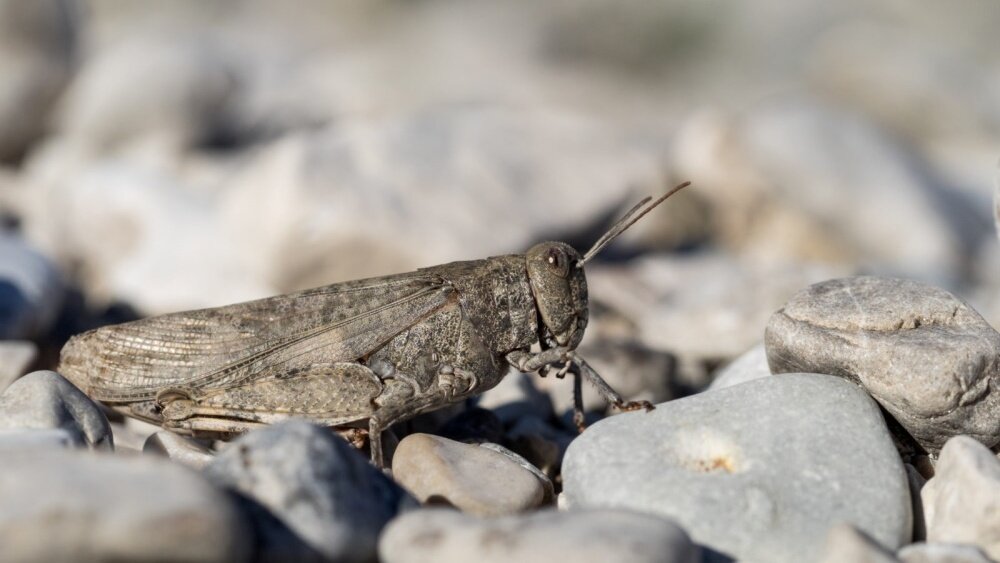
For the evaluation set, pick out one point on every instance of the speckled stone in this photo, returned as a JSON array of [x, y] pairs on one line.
[[758, 471]]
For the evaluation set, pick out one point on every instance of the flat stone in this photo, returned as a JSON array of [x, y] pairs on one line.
[[79, 506], [749, 366], [844, 543], [476, 480], [309, 492], [758, 471], [178, 448], [583, 536], [46, 400], [15, 358], [927, 357], [962, 500], [942, 553]]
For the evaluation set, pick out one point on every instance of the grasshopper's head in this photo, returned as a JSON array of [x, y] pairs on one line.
[[560, 289], [559, 286]]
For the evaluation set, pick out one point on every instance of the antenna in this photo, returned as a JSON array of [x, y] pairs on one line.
[[626, 222]]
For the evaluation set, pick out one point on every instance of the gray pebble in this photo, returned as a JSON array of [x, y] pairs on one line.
[[476, 480], [45, 399], [962, 500], [757, 471], [922, 353], [313, 492], [83, 507], [585, 536]]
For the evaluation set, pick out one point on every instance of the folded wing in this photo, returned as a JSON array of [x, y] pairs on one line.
[[211, 349]]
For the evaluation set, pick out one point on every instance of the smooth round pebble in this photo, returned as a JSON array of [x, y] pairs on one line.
[[87, 507], [46, 400], [310, 492], [962, 500], [584, 536], [473, 479], [758, 471], [922, 353]]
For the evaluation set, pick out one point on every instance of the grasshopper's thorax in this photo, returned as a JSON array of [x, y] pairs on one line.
[[560, 290]]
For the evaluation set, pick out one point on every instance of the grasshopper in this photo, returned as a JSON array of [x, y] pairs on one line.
[[356, 356]]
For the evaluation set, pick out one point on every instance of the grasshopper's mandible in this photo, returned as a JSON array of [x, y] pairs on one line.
[[356, 356]]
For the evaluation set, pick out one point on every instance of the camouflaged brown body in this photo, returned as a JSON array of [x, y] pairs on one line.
[[308, 353]]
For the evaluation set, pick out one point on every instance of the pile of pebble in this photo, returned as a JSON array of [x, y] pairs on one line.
[[860, 431]]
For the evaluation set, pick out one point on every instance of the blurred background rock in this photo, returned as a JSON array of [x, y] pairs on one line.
[[159, 156]]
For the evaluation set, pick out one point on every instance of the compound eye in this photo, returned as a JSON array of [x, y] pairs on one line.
[[558, 262]]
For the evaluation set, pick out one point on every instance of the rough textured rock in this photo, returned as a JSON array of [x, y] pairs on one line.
[[37, 44], [476, 480], [62, 506], [178, 448], [585, 536], [309, 486], [846, 544], [45, 399], [751, 365], [922, 353], [942, 553], [15, 358], [30, 290], [758, 471], [962, 500]]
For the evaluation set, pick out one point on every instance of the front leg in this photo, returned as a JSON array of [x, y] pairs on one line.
[[528, 362]]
